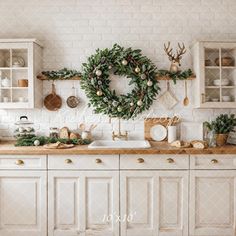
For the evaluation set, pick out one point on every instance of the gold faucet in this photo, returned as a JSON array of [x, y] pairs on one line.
[[119, 135]]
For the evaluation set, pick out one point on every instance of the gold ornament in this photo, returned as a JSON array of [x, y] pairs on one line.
[[137, 69], [139, 103], [119, 109], [124, 62], [99, 93], [98, 72], [131, 104], [149, 83]]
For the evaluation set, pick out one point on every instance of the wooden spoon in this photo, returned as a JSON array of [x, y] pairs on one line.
[[52, 101], [186, 100]]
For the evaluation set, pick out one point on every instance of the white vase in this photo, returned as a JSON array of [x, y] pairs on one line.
[[6, 82]]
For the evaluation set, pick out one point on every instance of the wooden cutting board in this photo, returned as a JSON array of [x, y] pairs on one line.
[[150, 122]]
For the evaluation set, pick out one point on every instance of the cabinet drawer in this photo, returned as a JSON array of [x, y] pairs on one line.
[[213, 161], [23, 162], [154, 162], [83, 162]]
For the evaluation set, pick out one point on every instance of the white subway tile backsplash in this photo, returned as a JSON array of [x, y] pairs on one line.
[[72, 30]]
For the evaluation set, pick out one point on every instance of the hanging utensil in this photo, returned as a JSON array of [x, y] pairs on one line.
[[186, 99], [72, 101], [53, 102]]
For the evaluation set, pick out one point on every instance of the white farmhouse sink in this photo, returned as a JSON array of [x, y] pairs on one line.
[[107, 144]]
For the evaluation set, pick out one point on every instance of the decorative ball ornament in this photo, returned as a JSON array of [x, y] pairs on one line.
[[36, 143], [119, 108], [106, 101], [149, 83], [137, 69], [98, 72], [139, 103], [99, 93], [124, 62], [21, 130], [143, 76]]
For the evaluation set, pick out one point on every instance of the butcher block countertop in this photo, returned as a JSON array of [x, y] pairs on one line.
[[7, 148]]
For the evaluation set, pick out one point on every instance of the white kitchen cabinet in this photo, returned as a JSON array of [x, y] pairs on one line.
[[83, 203], [20, 59], [212, 203], [154, 203], [215, 68], [23, 203]]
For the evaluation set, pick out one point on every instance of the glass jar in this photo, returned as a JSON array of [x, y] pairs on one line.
[[212, 139], [24, 128], [53, 132]]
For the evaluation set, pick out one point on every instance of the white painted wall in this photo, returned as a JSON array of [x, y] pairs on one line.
[[72, 29]]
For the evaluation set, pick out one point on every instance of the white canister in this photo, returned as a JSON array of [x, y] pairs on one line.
[[172, 133], [5, 99]]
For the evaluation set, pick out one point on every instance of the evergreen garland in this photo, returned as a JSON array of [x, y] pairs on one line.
[[29, 141], [62, 74], [123, 62], [180, 75]]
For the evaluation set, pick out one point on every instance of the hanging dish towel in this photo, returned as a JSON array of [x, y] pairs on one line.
[[168, 99]]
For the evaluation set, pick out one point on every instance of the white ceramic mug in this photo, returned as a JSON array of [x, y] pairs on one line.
[[21, 99], [172, 133]]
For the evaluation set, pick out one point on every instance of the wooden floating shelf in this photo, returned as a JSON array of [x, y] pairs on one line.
[[168, 78], [43, 77]]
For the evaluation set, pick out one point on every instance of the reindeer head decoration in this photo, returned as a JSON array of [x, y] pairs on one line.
[[175, 59]]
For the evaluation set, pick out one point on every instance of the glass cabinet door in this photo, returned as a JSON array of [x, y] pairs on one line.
[[219, 74], [14, 77]]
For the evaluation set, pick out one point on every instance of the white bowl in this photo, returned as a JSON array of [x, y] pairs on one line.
[[224, 82], [215, 99], [226, 98]]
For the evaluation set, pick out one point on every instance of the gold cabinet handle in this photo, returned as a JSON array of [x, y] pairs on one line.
[[214, 161], [98, 161], [19, 162], [140, 160], [170, 160], [68, 161]]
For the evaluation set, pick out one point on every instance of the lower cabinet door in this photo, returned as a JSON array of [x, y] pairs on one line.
[[84, 203], [212, 203], [154, 203], [23, 203]]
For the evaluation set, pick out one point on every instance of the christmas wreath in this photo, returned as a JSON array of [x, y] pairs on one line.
[[123, 62]]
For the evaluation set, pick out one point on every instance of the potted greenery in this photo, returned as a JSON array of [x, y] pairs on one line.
[[222, 125]]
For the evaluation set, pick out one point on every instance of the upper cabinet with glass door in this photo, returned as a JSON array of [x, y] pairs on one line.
[[215, 68], [20, 62]]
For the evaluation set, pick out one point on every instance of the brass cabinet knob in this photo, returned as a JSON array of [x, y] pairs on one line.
[[98, 161], [214, 161], [170, 160], [140, 160], [68, 161], [19, 162]]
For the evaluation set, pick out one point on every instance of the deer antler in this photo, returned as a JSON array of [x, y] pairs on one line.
[[168, 51], [181, 51]]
